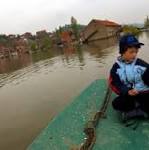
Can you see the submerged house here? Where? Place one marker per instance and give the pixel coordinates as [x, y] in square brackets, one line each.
[4, 51]
[66, 37]
[27, 36]
[41, 34]
[21, 46]
[100, 29]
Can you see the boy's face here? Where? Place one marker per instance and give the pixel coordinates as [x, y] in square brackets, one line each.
[130, 54]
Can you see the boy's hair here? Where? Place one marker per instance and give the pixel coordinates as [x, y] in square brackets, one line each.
[123, 49]
[128, 41]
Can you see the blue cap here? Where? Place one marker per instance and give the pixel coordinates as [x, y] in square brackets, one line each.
[127, 41]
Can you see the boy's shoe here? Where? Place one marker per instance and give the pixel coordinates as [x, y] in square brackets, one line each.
[134, 114]
[131, 118]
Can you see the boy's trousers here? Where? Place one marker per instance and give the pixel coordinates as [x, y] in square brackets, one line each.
[128, 103]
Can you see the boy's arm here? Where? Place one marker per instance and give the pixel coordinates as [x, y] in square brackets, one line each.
[115, 83]
[145, 76]
[142, 63]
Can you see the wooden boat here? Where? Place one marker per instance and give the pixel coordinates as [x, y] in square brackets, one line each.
[89, 122]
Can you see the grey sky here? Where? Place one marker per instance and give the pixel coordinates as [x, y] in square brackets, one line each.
[18, 16]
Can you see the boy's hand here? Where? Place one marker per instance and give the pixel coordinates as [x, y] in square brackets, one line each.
[133, 92]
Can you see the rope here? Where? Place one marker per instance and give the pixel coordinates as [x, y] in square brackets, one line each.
[90, 128]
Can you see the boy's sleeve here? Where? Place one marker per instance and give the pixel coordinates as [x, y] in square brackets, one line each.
[115, 83]
[145, 76]
[142, 63]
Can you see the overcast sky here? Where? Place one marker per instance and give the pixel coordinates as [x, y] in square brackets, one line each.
[19, 16]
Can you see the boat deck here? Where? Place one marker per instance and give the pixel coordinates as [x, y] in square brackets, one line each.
[65, 131]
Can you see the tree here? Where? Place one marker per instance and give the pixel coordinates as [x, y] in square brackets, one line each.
[45, 43]
[3, 39]
[74, 27]
[131, 29]
[33, 45]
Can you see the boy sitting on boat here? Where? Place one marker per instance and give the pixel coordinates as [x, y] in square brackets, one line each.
[129, 78]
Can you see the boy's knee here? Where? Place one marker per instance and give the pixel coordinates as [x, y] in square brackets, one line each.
[115, 104]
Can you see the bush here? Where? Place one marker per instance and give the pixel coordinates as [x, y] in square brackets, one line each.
[131, 29]
[33, 45]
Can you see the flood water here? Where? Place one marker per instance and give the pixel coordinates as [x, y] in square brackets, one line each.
[34, 88]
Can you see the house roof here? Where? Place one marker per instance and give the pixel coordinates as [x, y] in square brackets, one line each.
[106, 22]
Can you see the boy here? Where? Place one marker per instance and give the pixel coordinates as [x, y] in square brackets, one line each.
[129, 78]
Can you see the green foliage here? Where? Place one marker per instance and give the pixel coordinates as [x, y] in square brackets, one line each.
[3, 39]
[75, 30]
[131, 29]
[6, 41]
[45, 43]
[41, 44]
[33, 45]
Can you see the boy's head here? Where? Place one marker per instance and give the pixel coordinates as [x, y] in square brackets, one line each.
[128, 47]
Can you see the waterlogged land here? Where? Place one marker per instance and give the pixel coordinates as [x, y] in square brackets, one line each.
[34, 88]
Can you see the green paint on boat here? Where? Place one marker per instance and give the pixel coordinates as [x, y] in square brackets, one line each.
[65, 131]
[113, 135]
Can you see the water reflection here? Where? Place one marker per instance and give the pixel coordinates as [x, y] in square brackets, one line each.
[8, 65]
[67, 54]
[70, 56]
